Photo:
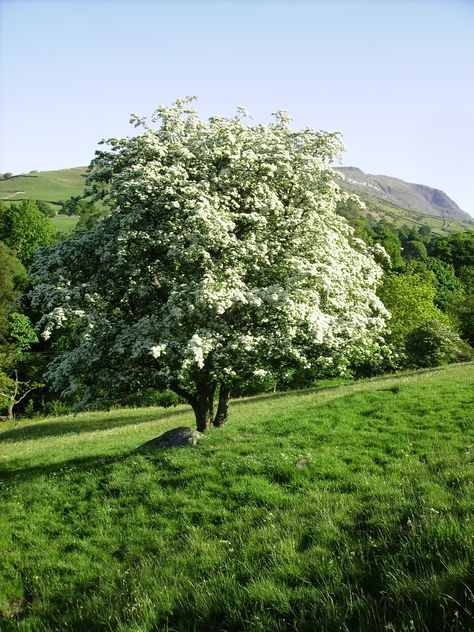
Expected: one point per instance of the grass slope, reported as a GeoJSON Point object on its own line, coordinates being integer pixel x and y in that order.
{"type": "Point", "coordinates": [399, 216]}
{"type": "Point", "coordinates": [344, 509]}
{"type": "Point", "coordinates": [65, 224]}
{"type": "Point", "coordinates": [49, 186]}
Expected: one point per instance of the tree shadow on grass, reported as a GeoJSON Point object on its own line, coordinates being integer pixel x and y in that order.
{"type": "Point", "coordinates": [87, 464]}
{"type": "Point", "coordinates": [53, 469]}
{"type": "Point", "coordinates": [76, 425]}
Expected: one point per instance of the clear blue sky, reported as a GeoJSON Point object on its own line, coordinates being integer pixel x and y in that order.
{"type": "Point", "coordinates": [396, 78]}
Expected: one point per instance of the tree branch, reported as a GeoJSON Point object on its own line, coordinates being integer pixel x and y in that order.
{"type": "Point", "coordinates": [26, 393]}
{"type": "Point", "coordinates": [182, 392]}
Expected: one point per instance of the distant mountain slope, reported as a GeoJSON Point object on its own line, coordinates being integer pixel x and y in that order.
{"type": "Point", "coordinates": [412, 197]}
{"type": "Point", "coordinates": [386, 198]}
{"type": "Point", "coordinates": [50, 186]}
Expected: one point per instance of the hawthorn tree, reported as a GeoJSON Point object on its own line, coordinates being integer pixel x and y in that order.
{"type": "Point", "coordinates": [223, 257]}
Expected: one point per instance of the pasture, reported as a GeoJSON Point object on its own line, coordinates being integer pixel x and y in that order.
{"type": "Point", "coordinates": [336, 509]}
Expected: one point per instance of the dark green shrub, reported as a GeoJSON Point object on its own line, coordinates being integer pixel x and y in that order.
{"type": "Point", "coordinates": [433, 343]}
{"type": "Point", "coordinates": [55, 408]}
{"type": "Point", "coordinates": [150, 397]}
{"type": "Point", "coordinates": [414, 249]}
{"type": "Point", "coordinates": [166, 399]}
{"type": "Point", "coordinates": [46, 209]}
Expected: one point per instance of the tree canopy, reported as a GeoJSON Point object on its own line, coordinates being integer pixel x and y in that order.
{"type": "Point", "coordinates": [24, 228]}
{"type": "Point", "coordinates": [410, 299]}
{"type": "Point", "coordinates": [12, 278]}
{"type": "Point", "coordinates": [223, 257]}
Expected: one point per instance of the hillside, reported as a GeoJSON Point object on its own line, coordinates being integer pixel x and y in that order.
{"type": "Point", "coordinates": [346, 508]}
{"type": "Point", "coordinates": [413, 197]}
{"type": "Point", "coordinates": [49, 186]}
{"type": "Point", "coordinates": [398, 200]}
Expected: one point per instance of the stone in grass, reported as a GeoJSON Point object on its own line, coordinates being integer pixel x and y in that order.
{"type": "Point", "coordinates": [175, 438]}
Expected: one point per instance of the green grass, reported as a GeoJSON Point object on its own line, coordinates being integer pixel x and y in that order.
{"type": "Point", "coordinates": [65, 224]}
{"type": "Point", "coordinates": [399, 216]}
{"type": "Point", "coordinates": [346, 508]}
{"type": "Point", "coordinates": [50, 186]}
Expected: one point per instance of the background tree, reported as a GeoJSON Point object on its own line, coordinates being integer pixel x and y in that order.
{"type": "Point", "coordinates": [450, 295]}
{"type": "Point", "coordinates": [223, 257]}
{"type": "Point", "coordinates": [456, 249]}
{"type": "Point", "coordinates": [386, 236]}
{"type": "Point", "coordinates": [414, 249]}
{"type": "Point", "coordinates": [46, 208]}
{"type": "Point", "coordinates": [466, 312]}
{"type": "Point", "coordinates": [24, 228]}
{"type": "Point", "coordinates": [434, 343]}
{"type": "Point", "coordinates": [71, 206]}
{"type": "Point", "coordinates": [410, 299]}
{"type": "Point", "coordinates": [13, 355]}
{"type": "Point", "coordinates": [12, 281]}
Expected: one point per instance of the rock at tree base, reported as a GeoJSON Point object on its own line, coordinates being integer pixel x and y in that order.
{"type": "Point", "coordinates": [175, 438]}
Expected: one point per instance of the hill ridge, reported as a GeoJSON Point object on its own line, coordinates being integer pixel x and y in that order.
{"type": "Point", "coordinates": [410, 196]}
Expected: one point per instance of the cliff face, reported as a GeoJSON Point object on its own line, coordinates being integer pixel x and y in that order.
{"type": "Point", "coordinates": [414, 197]}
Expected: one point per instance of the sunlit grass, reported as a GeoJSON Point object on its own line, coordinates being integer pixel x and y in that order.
{"type": "Point", "coordinates": [65, 223]}
{"type": "Point", "coordinates": [50, 186]}
{"type": "Point", "coordinates": [347, 508]}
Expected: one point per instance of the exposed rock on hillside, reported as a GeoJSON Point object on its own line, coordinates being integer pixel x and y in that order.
{"type": "Point", "coordinates": [414, 197]}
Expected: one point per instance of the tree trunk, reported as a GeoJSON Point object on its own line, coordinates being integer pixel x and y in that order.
{"type": "Point", "coordinates": [202, 410]}
{"type": "Point", "coordinates": [203, 405]}
{"type": "Point", "coordinates": [202, 402]}
{"type": "Point", "coordinates": [203, 418]}
{"type": "Point", "coordinates": [211, 400]}
{"type": "Point", "coordinates": [10, 411]}
{"type": "Point", "coordinates": [223, 405]}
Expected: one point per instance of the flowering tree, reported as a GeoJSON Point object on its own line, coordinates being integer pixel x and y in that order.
{"type": "Point", "coordinates": [223, 257]}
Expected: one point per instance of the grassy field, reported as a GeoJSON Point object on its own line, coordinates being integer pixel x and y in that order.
{"type": "Point", "coordinates": [340, 509]}
{"type": "Point", "coordinates": [378, 210]}
{"type": "Point", "coordinates": [49, 186]}
{"type": "Point", "coordinates": [65, 224]}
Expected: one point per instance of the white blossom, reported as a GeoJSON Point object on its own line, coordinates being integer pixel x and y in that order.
{"type": "Point", "coordinates": [157, 350]}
